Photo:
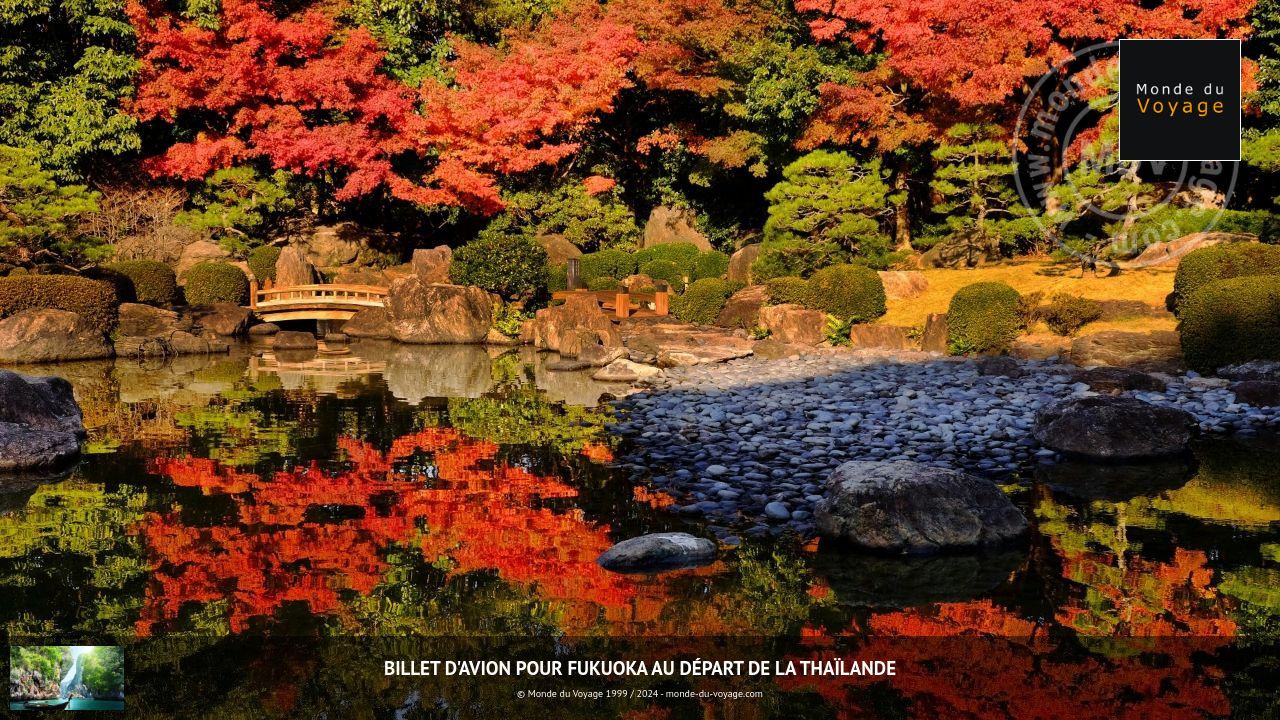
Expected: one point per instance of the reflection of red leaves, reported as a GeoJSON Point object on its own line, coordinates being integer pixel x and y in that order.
{"type": "Point", "coordinates": [479, 514]}
{"type": "Point", "coordinates": [977, 660]}
{"type": "Point", "coordinates": [597, 453]}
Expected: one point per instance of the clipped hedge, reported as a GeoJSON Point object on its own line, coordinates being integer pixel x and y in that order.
{"type": "Point", "coordinates": [151, 282]}
{"type": "Point", "coordinates": [216, 282]}
{"type": "Point", "coordinates": [702, 302]}
{"type": "Point", "coordinates": [1065, 314]}
{"type": "Point", "coordinates": [849, 292]}
{"type": "Point", "coordinates": [1232, 321]}
{"type": "Point", "coordinates": [262, 261]}
{"type": "Point", "coordinates": [513, 266]}
{"type": "Point", "coordinates": [983, 317]}
{"type": "Point", "coordinates": [616, 264]}
{"type": "Point", "coordinates": [557, 278]}
{"type": "Point", "coordinates": [713, 264]}
{"type": "Point", "coordinates": [787, 290]}
{"type": "Point", "coordinates": [684, 255]}
{"type": "Point", "coordinates": [94, 300]}
{"type": "Point", "coordinates": [1222, 262]}
{"type": "Point", "coordinates": [596, 284]}
{"type": "Point", "coordinates": [664, 270]}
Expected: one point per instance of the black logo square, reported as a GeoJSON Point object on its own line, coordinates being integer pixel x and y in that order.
{"type": "Point", "coordinates": [1180, 100]}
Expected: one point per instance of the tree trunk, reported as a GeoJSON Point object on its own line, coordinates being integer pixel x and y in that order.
{"type": "Point", "coordinates": [902, 210]}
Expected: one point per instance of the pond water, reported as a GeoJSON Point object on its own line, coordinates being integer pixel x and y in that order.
{"type": "Point", "coordinates": [381, 504]}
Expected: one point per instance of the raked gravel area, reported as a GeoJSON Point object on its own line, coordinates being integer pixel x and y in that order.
{"type": "Point", "coordinates": [748, 444]}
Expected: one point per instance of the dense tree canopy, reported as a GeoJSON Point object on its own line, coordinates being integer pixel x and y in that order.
{"type": "Point", "coordinates": [577, 117]}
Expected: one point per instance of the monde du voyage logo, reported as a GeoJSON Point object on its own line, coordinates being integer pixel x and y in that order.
{"type": "Point", "coordinates": [1180, 100]}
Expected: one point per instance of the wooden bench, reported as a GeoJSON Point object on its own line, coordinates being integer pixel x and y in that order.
{"type": "Point", "coordinates": [625, 304]}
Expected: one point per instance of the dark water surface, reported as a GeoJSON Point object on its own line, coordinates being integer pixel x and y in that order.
{"type": "Point", "coordinates": [262, 534]}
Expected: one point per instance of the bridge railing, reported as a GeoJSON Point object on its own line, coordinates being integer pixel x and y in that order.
{"type": "Point", "coordinates": [269, 297]}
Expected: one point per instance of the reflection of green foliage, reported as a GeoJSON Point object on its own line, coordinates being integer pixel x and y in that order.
{"type": "Point", "coordinates": [772, 591]}
{"type": "Point", "coordinates": [520, 415]}
{"type": "Point", "coordinates": [1256, 586]}
{"type": "Point", "coordinates": [84, 526]}
{"type": "Point", "coordinates": [104, 670]}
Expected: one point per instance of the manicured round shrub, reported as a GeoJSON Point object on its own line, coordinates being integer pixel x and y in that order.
{"type": "Point", "coordinates": [513, 266]}
{"type": "Point", "coordinates": [682, 254]}
{"type": "Point", "coordinates": [1065, 314]}
{"type": "Point", "coordinates": [616, 264]}
{"type": "Point", "coordinates": [262, 261]}
{"type": "Point", "coordinates": [709, 265]}
{"type": "Point", "coordinates": [983, 317]}
{"type": "Point", "coordinates": [1232, 321]}
{"type": "Point", "coordinates": [849, 292]}
{"type": "Point", "coordinates": [703, 301]}
{"type": "Point", "coordinates": [787, 290]}
{"type": "Point", "coordinates": [152, 282]}
{"type": "Point", "coordinates": [216, 282]}
{"type": "Point", "coordinates": [1222, 262]}
{"type": "Point", "coordinates": [94, 300]}
{"type": "Point", "coordinates": [598, 284]}
{"type": "Point", "coordinates": [664, 270]}
{"type": "Point", "coordinates": [781, 258]}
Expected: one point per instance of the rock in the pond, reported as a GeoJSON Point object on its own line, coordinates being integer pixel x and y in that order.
{"type": "Point", "coordinates": [623, 370]}
{"type": "Point", "coordinates": [264, 329]}
{"type": "Point", "coordinates": [658, 552]}
{"type": "Point", "coordinates": [1000, 365]}
{"type": "Point", "coordinates": [47, 335]}
{"type": "Point", "coordinates": [867, 580]}
{"type": "Point", "coordinates": [431, 314]}
{"type": "Point", "coordinates": [292, 340]}
{"type": "Point", "coordinates": [226, 319]}
{"type": "Point", "coordinates": [137, 320]}
{"type": "Point", "coordinates": [1252, 370]}
{"type": "Point", "coordinates": [1115, 380]}
{"type": "Point", "coordinates": [1259, 393]}
{"type": "Point", "coordinates": [912, 508]}
{"type": "Point", "coordinates": [1114, 428]}
{"type": "Point", "coordinates": [579, 321]}
{"type": "Point", "coordinates": [372, 323]}
{"type": "Point", "coordinates": [40, 423]}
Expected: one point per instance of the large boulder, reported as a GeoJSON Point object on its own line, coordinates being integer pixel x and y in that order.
{"type": "Point", "coordinates": [1155, 350]}
{"type": "Point", "coordinates": [433, 314]}
{"type": "Point", "coordinates": [658, 552]}
{"type": "Point", "coordinates": [623, 370]}
{"type": "Point", "coordinates": [1039, 346]}
{"type": "Point", "coordinates": [742, 310]}
{"type": "Point", "coordinates": [559, 249]}
{"type": "Point", "coordinates": [794, 324]}
{"type": "Point", "coordinates": [1117, 380]}
{"type": "Point", "coordinates": [45, 335]}
{"type": "Point", "coordinates": [911, 508]}
{"type": "Point", "coordinates": [561, 328]}
{"type": "Point", "coordinates": [431, 265]}
{"type": "Point", "coordinates": [1114, 428]}
{"type": "Point", "coordinates": [360, 276]}
{"type": "Point", "coordinates": [740, 263]}
{"type": "Point", "coordinates": [936, 329]}
{"type": "Point", "coordinates": [1252, 370]}
{"type": "Point", "coordinates": [293, 268]}
{"type": "Point", "coordinates": [884, 337]}
{"type": "Point", "coordinates": [138, 320]}
{"type": "Point", "coordinates": [225, 319]}
{"type": "Point", "coordinates": [198, 252]}
{"type": "Point", "coordinates": [41, 425]}
{"type": "Point", "coordinates": [293, 340]}
{"type": "Point", "coordinates": [673, 225]}
{"type": "Point", "coordinates": [334, 245]}
{"type": "Point", "coordinates": [178, 342]}
{"type": "Point", "coordinates": [1259, 393]}
{"type": "Point", "coordinates": [903, 284]}
{"type": "Point", "coordinates": [373, 323]}
{"type": "Point", "coordinates": [1173, 251]}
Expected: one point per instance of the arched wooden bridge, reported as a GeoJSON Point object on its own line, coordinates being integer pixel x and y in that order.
{"type": "Point", "coordinates": [314, 302]}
